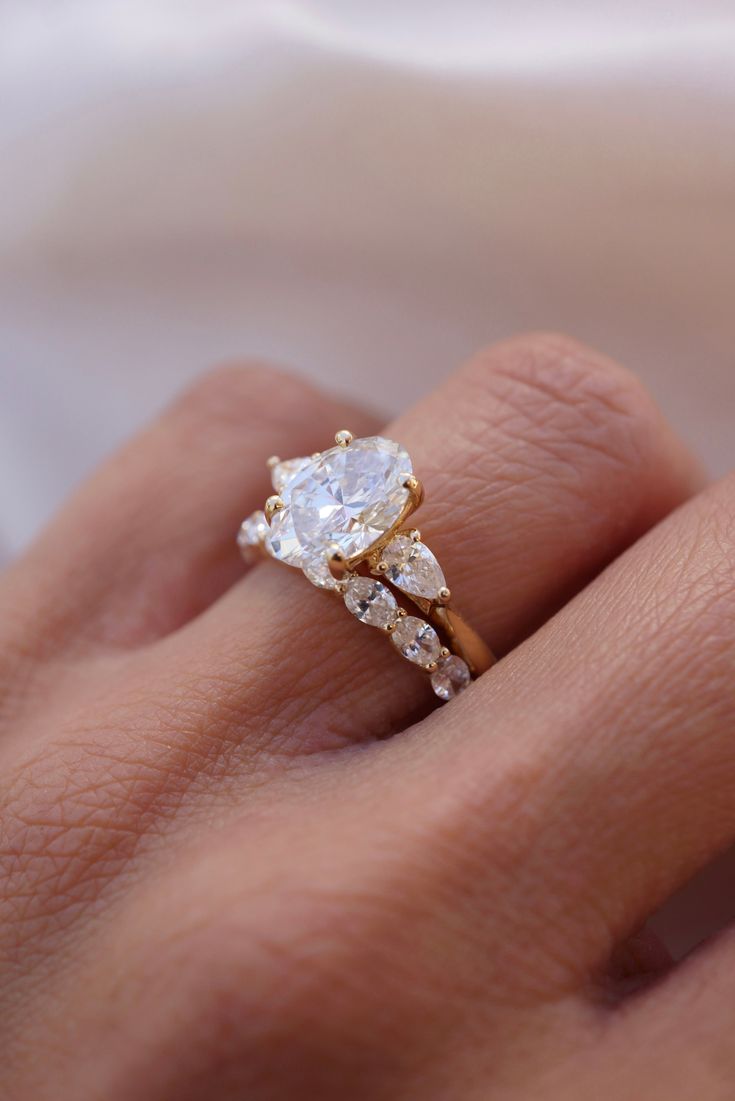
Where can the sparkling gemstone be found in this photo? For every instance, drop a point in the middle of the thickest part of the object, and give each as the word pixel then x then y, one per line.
pixel 371 601
pixel 283 472
pixel 252 531
pixel 281 539
pixel 412 567
pixel 318 572
pixel 416 640
pixel 349 496
pixel 451 677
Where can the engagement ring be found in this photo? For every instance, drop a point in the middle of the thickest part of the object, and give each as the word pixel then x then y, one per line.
pixel 340 517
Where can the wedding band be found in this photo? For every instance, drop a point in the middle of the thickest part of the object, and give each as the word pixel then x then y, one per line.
pixel 340 517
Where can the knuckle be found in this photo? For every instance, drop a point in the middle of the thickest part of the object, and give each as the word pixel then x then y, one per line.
pixel 696 571
pixel 567 400
pixel 564 443
pixel 60 842
pixel 234 394
pixel 296 969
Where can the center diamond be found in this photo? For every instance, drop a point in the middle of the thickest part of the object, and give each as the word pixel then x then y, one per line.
pixel 348 496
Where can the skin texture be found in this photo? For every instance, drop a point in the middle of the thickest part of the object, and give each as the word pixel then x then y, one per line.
pixel 242 857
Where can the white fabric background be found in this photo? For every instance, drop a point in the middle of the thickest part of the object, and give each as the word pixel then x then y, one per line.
pixel 366 191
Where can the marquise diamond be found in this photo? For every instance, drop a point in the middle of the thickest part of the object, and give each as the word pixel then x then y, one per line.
pixel 451 678
pixel 371 601
pixel 416 640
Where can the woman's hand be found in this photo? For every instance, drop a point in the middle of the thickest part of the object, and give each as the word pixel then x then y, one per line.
pixel 220 879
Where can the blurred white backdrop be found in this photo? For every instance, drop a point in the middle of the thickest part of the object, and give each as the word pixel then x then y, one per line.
pixel 366 192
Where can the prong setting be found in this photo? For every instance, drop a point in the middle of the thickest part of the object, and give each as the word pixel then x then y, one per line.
pixel 415 489
pixel 337 562
pixel 343 438
pixel 274 504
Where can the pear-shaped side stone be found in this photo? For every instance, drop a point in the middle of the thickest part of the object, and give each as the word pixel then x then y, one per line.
pixel 413 568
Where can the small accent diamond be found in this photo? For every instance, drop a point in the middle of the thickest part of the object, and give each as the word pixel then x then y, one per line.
pixel 412 567
pixel 452 676
pixel 371 601
pixel 252 532
pixel 416 640
pixel 318 572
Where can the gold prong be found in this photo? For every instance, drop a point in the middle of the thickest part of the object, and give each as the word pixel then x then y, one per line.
pixel 382 567
pixel 390 628
pixel 273 461
pixel 415 489
pixel 343 438
pixel 337 561
pixel 402 612
pixel 415 535
pixel 316 454
pixel 444 595
pixel 431 667
pixel 445 651
pixel 273 504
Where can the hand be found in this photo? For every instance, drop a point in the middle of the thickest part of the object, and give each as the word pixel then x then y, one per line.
pixel 220 879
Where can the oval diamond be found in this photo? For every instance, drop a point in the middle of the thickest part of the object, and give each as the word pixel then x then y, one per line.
pixel 416 640
pixel 452 676
pixel 413 568
pixel 371 601
pixel 349 496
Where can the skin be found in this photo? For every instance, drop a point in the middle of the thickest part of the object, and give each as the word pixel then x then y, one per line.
pixel 241 856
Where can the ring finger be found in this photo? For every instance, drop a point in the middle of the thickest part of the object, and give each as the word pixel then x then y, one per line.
pixel 541 460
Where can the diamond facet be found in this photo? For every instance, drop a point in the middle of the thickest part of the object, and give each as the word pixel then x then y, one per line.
pixel 452 676
pixel 349 496
pixel 413 568
pixel 281 539
pixel 416 640
pixel 284 472
pixel 371 601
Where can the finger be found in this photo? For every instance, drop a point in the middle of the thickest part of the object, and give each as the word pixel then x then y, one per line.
pixel 689 1019
pixel 541 462
pixel 619 719
pixel 149 541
